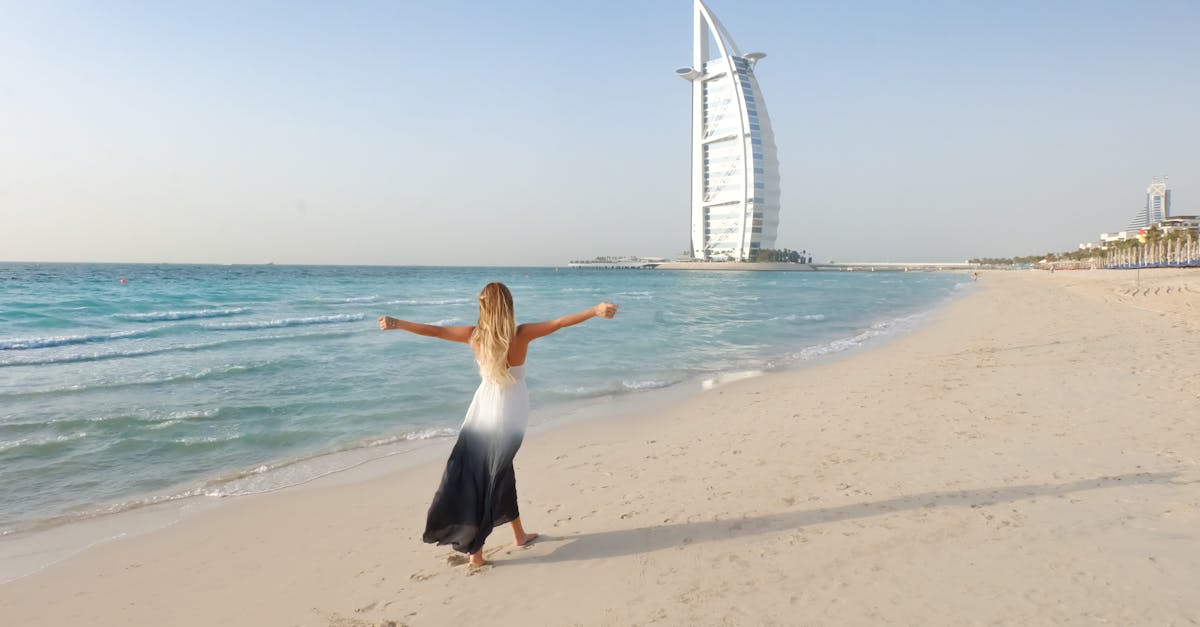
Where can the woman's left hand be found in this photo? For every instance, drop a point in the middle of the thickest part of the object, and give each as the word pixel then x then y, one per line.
pixel 605 310
pixel 385 322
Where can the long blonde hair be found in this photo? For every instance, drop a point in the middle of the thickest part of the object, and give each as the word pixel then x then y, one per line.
pixel 494 332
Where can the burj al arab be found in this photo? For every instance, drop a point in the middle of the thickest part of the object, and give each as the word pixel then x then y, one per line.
pixel 735 170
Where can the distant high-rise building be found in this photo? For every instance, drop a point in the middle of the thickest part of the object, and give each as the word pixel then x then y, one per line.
pixel 735 172
pixel 1158 205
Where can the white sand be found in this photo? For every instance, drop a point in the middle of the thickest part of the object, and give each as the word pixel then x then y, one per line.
pixel 1029 458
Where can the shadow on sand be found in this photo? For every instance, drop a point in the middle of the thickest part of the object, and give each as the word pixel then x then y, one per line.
pixel 655 538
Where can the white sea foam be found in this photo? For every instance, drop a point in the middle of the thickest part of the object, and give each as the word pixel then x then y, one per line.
pixel 156 422
pixel 271 477
pixel 728 377
pixel 797 317
pixel 422 434
pixel 192 414
pixel 181 315
pixel 847 343
pixel 582 391
pixel 7 444
pixel 206 439
pixel 43 441
pixel 144 380
pixel 435 301
pixel 64 340
pixel 285 322
pixel 648 384
pixel 98 356
pixel 349 300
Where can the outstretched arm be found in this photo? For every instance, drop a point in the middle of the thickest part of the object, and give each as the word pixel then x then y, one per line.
pixel 453 334
pixel 534 330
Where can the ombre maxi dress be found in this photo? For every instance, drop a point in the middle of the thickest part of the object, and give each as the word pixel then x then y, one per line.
pixel 478 491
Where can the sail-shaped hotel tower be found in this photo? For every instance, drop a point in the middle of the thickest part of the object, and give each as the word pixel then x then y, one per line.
pixel 735 172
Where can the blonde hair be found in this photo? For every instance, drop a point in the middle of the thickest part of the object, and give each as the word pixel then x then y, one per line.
pixel 494 332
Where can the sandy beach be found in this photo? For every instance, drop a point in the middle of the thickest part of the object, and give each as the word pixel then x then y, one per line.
pixel 1030 456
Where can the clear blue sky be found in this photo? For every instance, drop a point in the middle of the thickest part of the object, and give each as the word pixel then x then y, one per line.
pixel 532 132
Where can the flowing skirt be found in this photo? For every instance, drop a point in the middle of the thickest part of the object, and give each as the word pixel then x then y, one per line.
pixel 478 491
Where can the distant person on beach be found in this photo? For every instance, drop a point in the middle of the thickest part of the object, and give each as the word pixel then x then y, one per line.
pixel 478 491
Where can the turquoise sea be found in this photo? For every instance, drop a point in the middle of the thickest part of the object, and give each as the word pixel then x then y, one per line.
pixel 217 380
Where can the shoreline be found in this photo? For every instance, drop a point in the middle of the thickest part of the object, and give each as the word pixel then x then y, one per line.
pixel 736 266
pixel 998 464
pixel 36 545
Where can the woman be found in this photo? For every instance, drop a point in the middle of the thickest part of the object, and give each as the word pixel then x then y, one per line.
pixel 478 490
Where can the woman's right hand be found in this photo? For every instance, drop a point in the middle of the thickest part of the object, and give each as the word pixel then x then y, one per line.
pixel 605 310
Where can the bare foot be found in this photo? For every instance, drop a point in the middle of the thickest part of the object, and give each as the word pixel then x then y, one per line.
pixel 527 540
pixel 477 560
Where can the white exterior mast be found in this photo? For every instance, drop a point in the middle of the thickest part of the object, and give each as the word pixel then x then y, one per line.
pixel 735 171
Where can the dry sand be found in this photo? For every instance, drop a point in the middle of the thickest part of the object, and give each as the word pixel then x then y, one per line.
pixel 1030 457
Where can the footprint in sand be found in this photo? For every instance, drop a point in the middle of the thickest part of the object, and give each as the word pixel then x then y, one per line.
pixel 336 620
pixel 458 559
pixel 473 570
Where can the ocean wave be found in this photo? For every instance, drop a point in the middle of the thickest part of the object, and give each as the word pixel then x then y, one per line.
pixel 155 316
pixel 729 377
pixel 877 329
pixel 150 380
pixel 435 301
pixel 143 417
pixel 18 344
pixel 409 436
pixel 610 388
pixel 297 471
pixel 797 317
pixel 285 322
pixel 447 322
pixel 199 375
pixel 87 357
pixel 197 440
pixel 179 417
pixel 52 441
pixel 648 384
pixel 349 300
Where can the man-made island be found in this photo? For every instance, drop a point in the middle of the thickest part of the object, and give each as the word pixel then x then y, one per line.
pixel 659 263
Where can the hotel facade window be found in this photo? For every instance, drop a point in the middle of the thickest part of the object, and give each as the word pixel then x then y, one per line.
pixel 735 170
